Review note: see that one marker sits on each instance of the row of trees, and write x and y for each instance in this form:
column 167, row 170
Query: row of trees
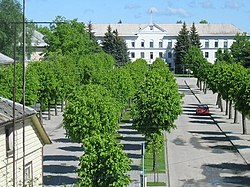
column 226, row 76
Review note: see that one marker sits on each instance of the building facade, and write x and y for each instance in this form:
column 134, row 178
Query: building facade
column 17, row 163
column 151, row 41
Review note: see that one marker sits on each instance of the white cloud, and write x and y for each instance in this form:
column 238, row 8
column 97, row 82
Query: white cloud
column 232, row 4
column 178, row 11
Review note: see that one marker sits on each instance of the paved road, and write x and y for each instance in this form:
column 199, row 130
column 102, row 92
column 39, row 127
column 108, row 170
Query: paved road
column 199, row 154
column 61, row 158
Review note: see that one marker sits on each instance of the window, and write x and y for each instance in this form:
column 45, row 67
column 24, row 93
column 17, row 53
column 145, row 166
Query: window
column 9, row 140
column 206, row 54
column 132, row 55
column 142, row 44
column 29, row 175
column 169, row 55
column 151, row 44
column 225, row 44
column 133, row 44
column 142, row 55
column 215, row 54
column 151, row 55
column 216, row 44
column 169, row 44
column 206, row 44
column 160, row 45
column 160, row 54
column 151, row 27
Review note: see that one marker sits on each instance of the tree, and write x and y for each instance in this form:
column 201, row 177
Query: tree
column 90, row 111
column 69, row 37
column 194, row 36
column 181, row 48
column 203, row 21
column 157, row 103
column 240, row 49
column 115, row 46
column 103, row 163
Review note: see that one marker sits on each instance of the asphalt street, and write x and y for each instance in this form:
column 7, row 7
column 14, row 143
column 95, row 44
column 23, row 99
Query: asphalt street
column 199, row 153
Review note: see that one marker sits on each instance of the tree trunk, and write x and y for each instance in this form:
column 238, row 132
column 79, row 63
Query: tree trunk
column 62, row 104
column 154, row 164
column 235, row 115
column 197, row 83
column 205, row 92
column 56, row 113
column 49, row 115
column 226, row 113
column 244, row 124
column 41, row 114
column 200, row 85
column 230, row 110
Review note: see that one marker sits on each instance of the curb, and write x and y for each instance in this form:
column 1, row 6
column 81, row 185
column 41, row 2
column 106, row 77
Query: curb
column 235, row 147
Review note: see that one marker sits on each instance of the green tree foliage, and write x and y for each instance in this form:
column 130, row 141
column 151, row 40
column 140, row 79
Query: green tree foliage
column 203, row 21
column 69, row 37
column 115, row 46
column 91, row 111
column 137, row 71
column 194, row 36
column 103, row 163
column 182, row 45
column 240, row 49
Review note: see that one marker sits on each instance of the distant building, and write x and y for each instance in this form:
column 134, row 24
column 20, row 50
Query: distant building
column 5, row 60
column 39, row 46
column 151, row 41
column 35, row 139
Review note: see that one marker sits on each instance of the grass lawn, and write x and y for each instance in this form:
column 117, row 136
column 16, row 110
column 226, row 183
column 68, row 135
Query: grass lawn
column 156, row 184
column 149, row 162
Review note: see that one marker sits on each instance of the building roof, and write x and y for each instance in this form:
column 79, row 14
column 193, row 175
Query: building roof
column 4, row 60
column 6, row 116
column 37, row 39
column 170, row 29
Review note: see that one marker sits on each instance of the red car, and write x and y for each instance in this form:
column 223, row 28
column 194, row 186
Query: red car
column 202, row 109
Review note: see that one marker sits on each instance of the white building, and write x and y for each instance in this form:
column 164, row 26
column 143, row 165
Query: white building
column 150, row 41
column 12, row 143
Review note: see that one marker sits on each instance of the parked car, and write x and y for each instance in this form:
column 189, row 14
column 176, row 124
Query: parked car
column 202, row 109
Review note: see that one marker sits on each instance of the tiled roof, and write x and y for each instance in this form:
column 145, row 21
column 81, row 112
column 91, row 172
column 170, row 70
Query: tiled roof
column 5, row 59
column 6, row 110
column 171, row 29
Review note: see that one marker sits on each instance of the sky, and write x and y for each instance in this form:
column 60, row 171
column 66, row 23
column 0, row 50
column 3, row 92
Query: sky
column 236, row 12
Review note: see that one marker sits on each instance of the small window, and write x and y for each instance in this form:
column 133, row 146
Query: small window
column 169, row 44
column 169, row 55
column 151, row 44
column 215, row 54
column 142, row 44
column 29, row 175
column 142, row 55
column 132, row 55
column 151, row 27
column 160, row 54
column 151, row 55
column 206, row 44
column 216, row 44
column 160, row 45
column 9, row 140
column 206, row 55
column 225, row 44
column 133, row 44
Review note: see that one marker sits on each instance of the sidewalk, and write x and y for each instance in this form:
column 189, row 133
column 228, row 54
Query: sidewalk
column 232, row 131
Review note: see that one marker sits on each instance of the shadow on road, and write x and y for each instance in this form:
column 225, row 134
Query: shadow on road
column 52, row 180
column 60, row 158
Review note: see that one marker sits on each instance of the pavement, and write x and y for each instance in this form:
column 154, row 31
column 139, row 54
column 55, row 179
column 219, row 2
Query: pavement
column 61, row 158
column 206, row 150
